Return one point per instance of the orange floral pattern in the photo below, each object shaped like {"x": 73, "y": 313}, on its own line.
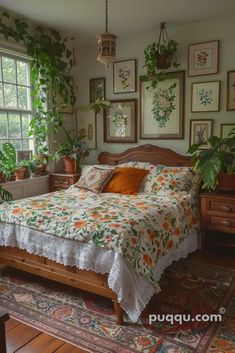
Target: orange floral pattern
{"x": 141, "y": 227}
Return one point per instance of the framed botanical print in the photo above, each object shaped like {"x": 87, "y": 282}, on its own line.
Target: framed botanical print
{"x": 205, "y": 96}
{"x": 225, "y": 129}
{"x": 124, "y": 76}
{"x": 203, "y": 58}
{"x": 200, "y": 130}
{"x": 24, "y": 155}
{"x": 120, "y": 121}
{"x": 86, "y": 124}
{"x": 97, "y": 89}
{"x": 162, "y": 108}
{"x": 231, "y": 90}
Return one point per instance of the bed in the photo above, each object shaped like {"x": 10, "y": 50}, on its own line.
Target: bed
{"x": 98, "y": 269}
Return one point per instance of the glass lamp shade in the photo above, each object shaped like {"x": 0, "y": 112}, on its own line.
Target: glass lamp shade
{"x": 106, "y": 48}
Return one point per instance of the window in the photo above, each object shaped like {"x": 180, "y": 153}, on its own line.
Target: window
{"x": 15, "y": 101}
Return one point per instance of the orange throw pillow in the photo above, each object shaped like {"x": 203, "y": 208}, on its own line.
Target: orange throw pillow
{"x": 126, "y": 180}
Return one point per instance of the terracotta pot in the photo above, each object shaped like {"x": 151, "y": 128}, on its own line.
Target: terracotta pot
{"x": 41, "y": 170}
{"x": 27, "y": 172}
{"x": 226, "y": 182}
{"x": 163, "y": 61}
{"x": 70, "y": 165}
{"x": 2, "y": 177}
{"x": 20, "y": 173}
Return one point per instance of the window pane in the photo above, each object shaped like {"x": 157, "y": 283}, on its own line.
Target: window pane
{"x": 14, "y": 126}
{"x": 1, "y": 96}
{"x": 25, "y": 124}
{"x": 10, "y": 96}
{"x": 26, "y": 145}
{"x": 9, "y": 70}
{"x": 17, "y": 144}
{"x": 23, "y": 98}
{"x": 22, "y": 73}
{"x": 3, "y": 125}
{"x": 0, "y": 68}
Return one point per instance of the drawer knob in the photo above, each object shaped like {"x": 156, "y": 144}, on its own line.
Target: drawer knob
{"x": 226, "y": 223}
{"x": 226, "y": 208}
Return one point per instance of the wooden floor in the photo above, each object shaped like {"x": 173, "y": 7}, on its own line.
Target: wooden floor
{"x": 25, "y": 339}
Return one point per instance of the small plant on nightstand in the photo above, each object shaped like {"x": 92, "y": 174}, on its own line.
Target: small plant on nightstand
{"x": 72, "y": 152}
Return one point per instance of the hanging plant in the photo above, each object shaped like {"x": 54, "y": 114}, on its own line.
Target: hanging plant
{"x": 50, "y": 74}
{"x": 160, "y": 56}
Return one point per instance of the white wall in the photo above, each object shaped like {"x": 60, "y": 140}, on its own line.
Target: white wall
{"x": 132, "y": 47}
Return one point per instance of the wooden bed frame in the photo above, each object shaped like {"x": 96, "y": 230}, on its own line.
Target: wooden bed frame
{"x": 88, "y": 280}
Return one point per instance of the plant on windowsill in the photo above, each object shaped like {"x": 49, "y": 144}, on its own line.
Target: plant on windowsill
{"x": 216, "y": 162}
{"x": 72, "y": 152}
{"x": 38, "y": 166}
{"x": 159, "y": 56}
{"x": 50, "y": 73}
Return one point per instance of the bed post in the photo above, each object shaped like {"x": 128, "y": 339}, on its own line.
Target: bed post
{"x": 118, "y": 312}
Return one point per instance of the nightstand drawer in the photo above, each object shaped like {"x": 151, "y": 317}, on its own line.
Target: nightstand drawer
{"x": 225, "y": 224}
{"x": 59, "y": 181}
{"x": 222, "y": 206}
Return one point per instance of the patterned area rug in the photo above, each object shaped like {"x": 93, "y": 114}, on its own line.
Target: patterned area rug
{"x": 88, "y": 321}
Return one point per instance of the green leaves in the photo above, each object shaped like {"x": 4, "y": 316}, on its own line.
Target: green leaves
{"x": 217, "y": 156}
{"x": 50, "y": 67}
{"x": 5, "y": 195}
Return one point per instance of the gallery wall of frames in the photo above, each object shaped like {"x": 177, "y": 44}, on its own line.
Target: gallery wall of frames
{"x": 191, "y": 104}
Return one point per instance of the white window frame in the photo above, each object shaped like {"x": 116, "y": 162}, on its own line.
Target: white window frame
{"x": 15, "y": 55}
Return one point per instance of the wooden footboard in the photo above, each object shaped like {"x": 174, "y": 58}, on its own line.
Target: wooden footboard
{"x": 86, "y": 280}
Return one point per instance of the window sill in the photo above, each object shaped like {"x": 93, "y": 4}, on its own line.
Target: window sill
{"x": 30, "y": 180}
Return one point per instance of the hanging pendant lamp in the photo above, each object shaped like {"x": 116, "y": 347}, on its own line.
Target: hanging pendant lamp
{"x": 106, "y": 44}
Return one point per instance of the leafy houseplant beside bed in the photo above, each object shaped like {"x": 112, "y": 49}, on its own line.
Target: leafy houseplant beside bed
{"x": 72, "y": 152}
{"x": 216, "y": 162}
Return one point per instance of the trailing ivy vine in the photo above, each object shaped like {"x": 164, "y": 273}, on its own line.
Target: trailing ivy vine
{"x": 50, "y": 75}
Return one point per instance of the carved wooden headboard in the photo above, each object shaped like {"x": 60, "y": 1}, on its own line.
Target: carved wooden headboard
{"x": 145, "y": 153}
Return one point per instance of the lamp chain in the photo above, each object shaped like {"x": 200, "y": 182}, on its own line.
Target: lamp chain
{"x": 106, "y": 14}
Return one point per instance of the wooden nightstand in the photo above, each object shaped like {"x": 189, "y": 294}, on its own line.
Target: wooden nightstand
{"x": 61, "y": 181}
{"x": 217, "y": 218}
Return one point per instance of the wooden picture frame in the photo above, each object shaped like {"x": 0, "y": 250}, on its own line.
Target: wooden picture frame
{"x": 120, "y": 121}
{"x": 23, "y": 155}
{"x": 162, "y": 109}
{"x": 200, "y": 130}
{"x": 124, "y": 76}
{"x": 203, "y": 58}
{"x": 205, "y": 97}
{"x": 225, "y": 129}
{"x": 231, "y": 90}
{"x": 86, "y": 124}
{"x": 97, "y": 89}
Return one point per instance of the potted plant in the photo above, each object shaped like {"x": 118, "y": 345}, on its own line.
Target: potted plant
{"x": 25, "y": 163}
{"x": 160, "y": 56}
{"x": 19, "y": 171}
{"x": 72, "y": 152}
{"x": 216, "y": 162}
{"x": 38, "y": 165}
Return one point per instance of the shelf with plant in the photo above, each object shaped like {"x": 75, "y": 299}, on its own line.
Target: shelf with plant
{"x": 159, "y": 56}
{"x": 214, "y": 160}
{"x": 50, "y": 74}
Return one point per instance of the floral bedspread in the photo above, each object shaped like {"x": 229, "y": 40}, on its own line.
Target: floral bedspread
{"x": 141, "y": 227}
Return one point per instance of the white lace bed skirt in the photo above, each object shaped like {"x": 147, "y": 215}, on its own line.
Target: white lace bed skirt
{"x": 132, "y": 289}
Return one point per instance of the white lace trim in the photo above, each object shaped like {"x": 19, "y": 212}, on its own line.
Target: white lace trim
{"x": 132, "y": 289}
